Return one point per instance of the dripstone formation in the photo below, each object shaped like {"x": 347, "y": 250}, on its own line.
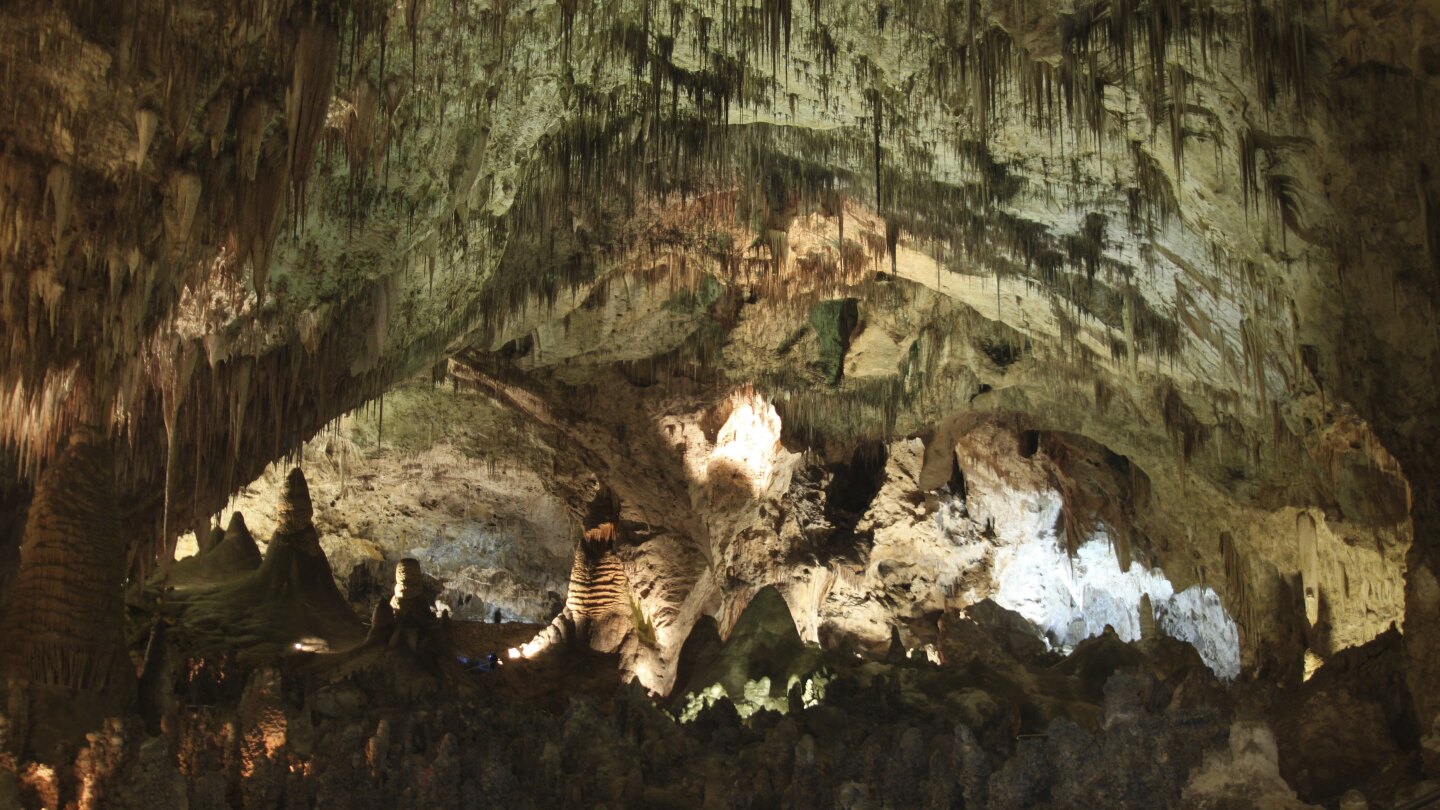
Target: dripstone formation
{"x": 851, "y": 404}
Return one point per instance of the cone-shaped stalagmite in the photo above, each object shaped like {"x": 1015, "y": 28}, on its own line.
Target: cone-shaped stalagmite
{"x": 294, "y": 563}
{"x": 234, "y": 555}
{"x": 290, "y": 601}
{"x": 295, "y": 512}
{"x": 239, "y": 542}
{"x": 63, "y": 621}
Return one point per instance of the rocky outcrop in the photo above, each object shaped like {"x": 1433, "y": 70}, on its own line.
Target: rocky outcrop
{"x": 883, "y": 733}
{"x": 1245, "y": 775}
{"x": 1350, "y": 726}
{"x": 1153, "y": 283}
{"x": 756, "y": 668}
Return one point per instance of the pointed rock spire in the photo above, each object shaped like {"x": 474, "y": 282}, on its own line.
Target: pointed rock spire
{"x": 296, "y": 512}
{"x": 240, "y": 542}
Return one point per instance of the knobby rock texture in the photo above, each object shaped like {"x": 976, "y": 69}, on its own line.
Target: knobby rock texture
{"x": 851, "y": 299}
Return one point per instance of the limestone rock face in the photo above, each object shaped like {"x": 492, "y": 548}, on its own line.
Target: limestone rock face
{"x": 1114, "y": 314}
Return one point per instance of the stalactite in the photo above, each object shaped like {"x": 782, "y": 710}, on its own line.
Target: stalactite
{"x": 255, "y": 116}
{"x": 182, "y": 199}
{"x": 1280, "y": 50}
{"x": 307, "y": 101}
{"x": 146, "y": 121}
{"x": 1237, "y": 585}
{"x": 1308, "y": 552}
{"x": 257, "y": 216}
{"x": 1253, "y": 348}
{"x": 59, "y": 190}
{"x": 1185, "y": 431}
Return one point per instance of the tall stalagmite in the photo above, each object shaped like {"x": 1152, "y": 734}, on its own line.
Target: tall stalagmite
{"x": 63, "y": 630}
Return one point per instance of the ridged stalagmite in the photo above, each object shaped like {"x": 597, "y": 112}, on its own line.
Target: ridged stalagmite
{"x": 63, "y": 625}
{"x": 409, "y": 596}
{"x": 295, "y": 513}
{"x": 597, "y": 605}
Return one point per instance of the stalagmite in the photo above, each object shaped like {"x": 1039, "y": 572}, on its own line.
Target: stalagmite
{"x": 1212, "y": 236}
{"x": 1147, "y": 618}
{"x": 63, "y": 616}
{"x": 597, "y": 602}
{"x": 409, "y": 595}
{"x": 228, "y": 554}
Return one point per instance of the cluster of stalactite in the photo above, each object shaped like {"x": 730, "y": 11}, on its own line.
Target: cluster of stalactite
{"x": 962, "y": 223}
{"x": 92, "y": 287}
{"x": 339, "y": 95}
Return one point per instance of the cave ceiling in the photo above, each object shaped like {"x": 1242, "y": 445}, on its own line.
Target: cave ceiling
{"x": 1146, "y": 194}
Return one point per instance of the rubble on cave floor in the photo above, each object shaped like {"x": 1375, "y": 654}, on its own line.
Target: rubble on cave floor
{"x": 273, "y": 742}
{"x": 260, "y": 686}
{"x": 1127, "y": 725}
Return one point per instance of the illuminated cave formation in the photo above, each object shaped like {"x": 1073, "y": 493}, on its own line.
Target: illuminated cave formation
{"x": 947, "y": 404}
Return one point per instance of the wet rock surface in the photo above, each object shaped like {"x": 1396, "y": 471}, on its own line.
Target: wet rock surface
{"x": 1118, "y": 316}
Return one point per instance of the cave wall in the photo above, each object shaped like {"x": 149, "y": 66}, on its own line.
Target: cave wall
{"x": 1202, "y": 235}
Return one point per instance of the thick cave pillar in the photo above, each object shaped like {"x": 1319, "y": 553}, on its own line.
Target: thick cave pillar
{"x": 1422, "y": 640}
{"x": 64, "y": 657}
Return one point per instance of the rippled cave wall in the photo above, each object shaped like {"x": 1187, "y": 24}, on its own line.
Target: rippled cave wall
{"x": 816, "y": 290}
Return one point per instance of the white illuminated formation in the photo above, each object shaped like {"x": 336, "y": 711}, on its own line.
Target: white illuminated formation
{"x": 530, "y": 648}
{"x": 1073, "y": 599}
{"x": 748, "y": 441}
{"x": 311, "y": 644}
